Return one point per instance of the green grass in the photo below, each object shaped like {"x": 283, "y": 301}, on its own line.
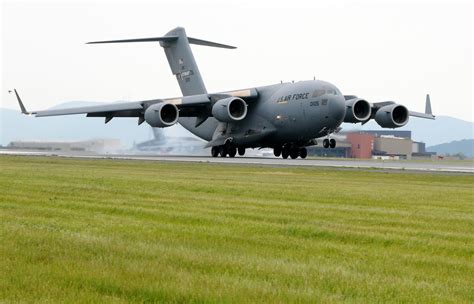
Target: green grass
{"x": 131, "y": 231}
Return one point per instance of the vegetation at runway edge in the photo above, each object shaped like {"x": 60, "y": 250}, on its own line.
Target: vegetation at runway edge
{"x": 75, "y": 230}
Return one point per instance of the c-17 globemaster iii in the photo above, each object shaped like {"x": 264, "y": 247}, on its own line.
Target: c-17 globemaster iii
{"x": 286, "y": 117}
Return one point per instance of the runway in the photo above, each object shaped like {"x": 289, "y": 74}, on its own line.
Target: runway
{"x": 406, "y": 165}
{"x": 361, "y": 164}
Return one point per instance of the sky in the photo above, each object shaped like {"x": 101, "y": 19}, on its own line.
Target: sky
{"x": 378, "y": 51}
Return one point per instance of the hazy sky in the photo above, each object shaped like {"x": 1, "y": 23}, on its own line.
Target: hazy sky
{"x": 376, "y": 50}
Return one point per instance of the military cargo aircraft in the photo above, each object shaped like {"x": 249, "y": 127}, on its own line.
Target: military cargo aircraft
{"x": 171, "y": 145}
{"x": 286, "y": 117}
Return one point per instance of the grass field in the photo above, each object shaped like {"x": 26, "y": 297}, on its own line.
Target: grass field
{"x": 132, "y": 231}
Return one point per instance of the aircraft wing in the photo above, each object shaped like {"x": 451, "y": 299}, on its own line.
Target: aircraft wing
{"x": 189, "y": 106}
{"x": 246, "y": 94}
{"x": 427, "y": 115}
{"x": 131, "y": 108}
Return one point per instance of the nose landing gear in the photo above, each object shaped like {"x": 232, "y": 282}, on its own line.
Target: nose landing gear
{"x": 329, "y": 143}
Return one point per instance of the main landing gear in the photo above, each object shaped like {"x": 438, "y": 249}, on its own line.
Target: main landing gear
{"x": 329, "y": 143}
{"x": 292, "y": 152}
{"x": 227, "y": 150}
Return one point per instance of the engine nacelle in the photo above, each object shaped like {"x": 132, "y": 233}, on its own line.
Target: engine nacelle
{"x": 392, "y": 116}
{"x": 357, "y": 110}
{"x": 161, "y": 115}
{"x": 230, "y": 109}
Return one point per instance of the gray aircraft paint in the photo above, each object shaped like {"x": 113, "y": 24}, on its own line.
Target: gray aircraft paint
{"x": 294, "y": 120}
{"x": 184, "y": 67}
{"x": 282, "y": 114}
{"x": 279, "y": 120}
{"x": 182, "y": 63}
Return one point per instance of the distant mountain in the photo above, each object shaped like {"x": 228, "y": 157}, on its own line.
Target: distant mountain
{"x": 432, "y": 132}
{"x": 15, "y": 126}
{"x": 465, "y": 147}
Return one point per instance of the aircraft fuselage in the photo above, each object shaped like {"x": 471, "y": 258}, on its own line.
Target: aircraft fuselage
{"x": 286, "y": 113}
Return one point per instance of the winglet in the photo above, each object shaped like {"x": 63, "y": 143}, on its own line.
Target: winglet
{"x": 428, "y": 105}
{"x": 22, "y": 107}
{"x": 428, "y": 113}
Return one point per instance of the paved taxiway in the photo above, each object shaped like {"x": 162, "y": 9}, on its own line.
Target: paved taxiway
{"x": 428, "y": 166}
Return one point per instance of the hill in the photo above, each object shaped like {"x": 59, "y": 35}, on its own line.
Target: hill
{"x": 432, "y": 132}
{"x": 465, "y": 147}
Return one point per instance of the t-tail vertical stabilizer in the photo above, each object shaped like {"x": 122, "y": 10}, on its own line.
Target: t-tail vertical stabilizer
{"x": 182, "y": 63}
{"x": 180, "y": 58}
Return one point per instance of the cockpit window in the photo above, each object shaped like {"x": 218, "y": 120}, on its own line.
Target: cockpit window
{"x": 326, "y": 90}
{"x": 319, "y": 92}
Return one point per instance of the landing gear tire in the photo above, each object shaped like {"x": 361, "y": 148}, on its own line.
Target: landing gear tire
{"x": 303, "y": 153}
{"x": 285, "y": 152}
{"x": 332, "y": 143}
{"x": 215, "y": 151}
{"x": 277, "y": 151}
{"x": 232, "y": 151}
{"x": 241, "y": 151}
{"x": 326, "y": 143}
{"x": 222, "y": 151}
{"x": 294, "y": 153}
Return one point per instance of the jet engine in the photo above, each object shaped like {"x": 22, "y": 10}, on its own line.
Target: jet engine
{"x": 392, "y": 116}
{"x": 161, "y": 115}
{"x": 229, "y": 109}
{"x": 357, "y": 110}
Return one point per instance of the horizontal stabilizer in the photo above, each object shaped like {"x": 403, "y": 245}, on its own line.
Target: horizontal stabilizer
{"x": 167, "y": 39}
{"x": 210, "y": 43}
{"x": 153, "y": 39}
